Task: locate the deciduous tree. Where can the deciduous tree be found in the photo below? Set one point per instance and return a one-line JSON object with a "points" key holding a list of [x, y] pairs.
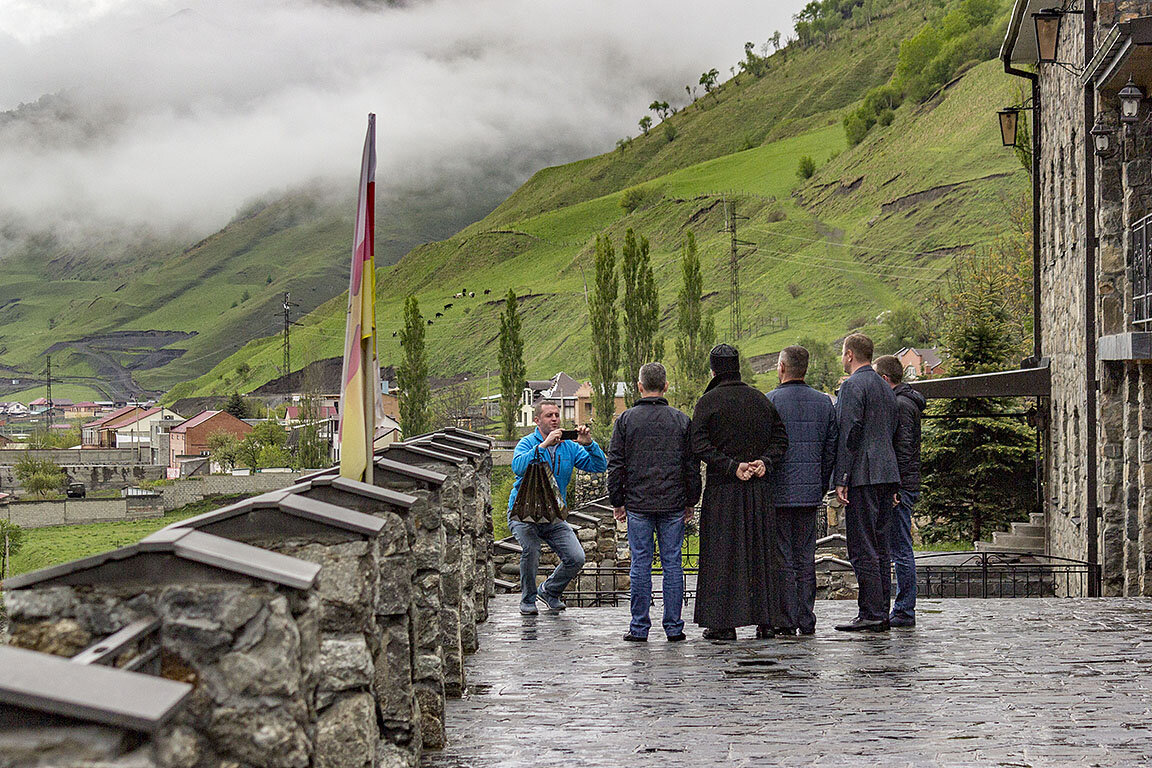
{"points": [[513, 373], [412, 375], [695, 331], [603, 318], [642, 342]]}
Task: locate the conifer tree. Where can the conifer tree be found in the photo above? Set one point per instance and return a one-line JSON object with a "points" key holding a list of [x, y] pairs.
{"points": [[602, 314], [695, 331], [513, 373], [642, 344], [978, 467], [236, 406], [412, 375]]}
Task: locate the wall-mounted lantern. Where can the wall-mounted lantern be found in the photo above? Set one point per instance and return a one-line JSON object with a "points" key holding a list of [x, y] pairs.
{"points": [[1130, 97], [1047, 23], [1102, 134], [1009, 118]]}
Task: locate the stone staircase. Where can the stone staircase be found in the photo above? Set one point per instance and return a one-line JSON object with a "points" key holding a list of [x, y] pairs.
{"points": [[508, 550], [1024, 537]]}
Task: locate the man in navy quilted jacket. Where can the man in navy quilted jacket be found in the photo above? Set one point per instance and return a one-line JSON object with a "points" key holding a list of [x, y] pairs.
{"points": [[799, 484]]}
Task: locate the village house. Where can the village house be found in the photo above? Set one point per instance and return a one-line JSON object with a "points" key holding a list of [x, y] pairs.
{"points": [[85, 410], [190, 438], [1088, 69], [91, 435], [918, 363]]}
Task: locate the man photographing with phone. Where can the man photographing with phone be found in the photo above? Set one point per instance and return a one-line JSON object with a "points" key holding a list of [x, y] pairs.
{"points": [[548, 444]]}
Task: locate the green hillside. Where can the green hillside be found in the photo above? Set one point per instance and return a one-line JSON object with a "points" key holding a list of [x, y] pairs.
{"points": [[874, 228]]}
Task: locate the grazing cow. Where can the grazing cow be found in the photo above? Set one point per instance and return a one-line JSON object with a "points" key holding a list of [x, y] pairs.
{"points": [[471, 294], [458, 296], [439, 314], [448, 306], [393, 334], [429, 322], [487, 291]]}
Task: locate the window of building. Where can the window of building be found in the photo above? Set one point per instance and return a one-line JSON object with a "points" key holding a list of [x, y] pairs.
{"points": [[1138, 273]]}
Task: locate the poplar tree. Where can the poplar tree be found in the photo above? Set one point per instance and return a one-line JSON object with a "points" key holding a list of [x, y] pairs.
{"points": [[642, 344], [412, 375], [602, 315], [513, 373], [695, 331]]}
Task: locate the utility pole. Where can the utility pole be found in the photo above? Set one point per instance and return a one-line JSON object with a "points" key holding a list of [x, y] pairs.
{"points": [[730, 219], [287, 334], [48, 389]]}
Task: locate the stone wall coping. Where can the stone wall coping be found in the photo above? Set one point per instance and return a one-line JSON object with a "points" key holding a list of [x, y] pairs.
{"points": [[444, 442], [52, 684], [424, 451], [475, 436], [437, 445], [292, 504], [1135, 345], [184, 544], [459, 441], [430, 476], [356, 487]]}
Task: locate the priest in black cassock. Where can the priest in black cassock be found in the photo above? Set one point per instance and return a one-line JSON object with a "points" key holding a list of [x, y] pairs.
{"points": [[740, 437]]}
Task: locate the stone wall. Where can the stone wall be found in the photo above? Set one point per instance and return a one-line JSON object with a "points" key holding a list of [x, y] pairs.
{"points": [[79, 457], [181, 492], [40, 514], [96, 477], [1062, 275], [349, 672]]}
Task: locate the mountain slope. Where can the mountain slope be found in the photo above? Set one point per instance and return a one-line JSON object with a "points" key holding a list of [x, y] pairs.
{"points": [[875, 228]]}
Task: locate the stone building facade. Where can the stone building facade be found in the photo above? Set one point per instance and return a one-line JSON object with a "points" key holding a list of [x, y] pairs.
{"points": [[1098, 484]]}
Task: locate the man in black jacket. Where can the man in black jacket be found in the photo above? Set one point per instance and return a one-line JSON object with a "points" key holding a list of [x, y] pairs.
{"points": [[906, 442], [866, 478], [654, 483]]}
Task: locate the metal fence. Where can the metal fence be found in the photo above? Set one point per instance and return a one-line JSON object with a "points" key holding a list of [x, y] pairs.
{"points": [[938, 575]]}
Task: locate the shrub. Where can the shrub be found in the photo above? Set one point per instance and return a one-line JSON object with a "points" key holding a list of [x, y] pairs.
{"points": [[670, 132], [885, 117], [795, 290], [806, 168]]}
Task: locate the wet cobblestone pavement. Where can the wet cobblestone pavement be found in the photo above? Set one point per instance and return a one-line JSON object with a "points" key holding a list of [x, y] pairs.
{"points": [[977, 682]]}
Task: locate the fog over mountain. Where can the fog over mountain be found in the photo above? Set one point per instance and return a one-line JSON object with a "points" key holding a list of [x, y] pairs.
{"points": [[170, 115]]}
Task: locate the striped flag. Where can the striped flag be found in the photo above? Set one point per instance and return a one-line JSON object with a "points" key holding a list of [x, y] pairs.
{"points": [[361, 404]]}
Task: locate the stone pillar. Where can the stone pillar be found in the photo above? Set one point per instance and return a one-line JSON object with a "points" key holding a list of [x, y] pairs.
{"points": [[426, 541], [247, 645], [393, 641], [460, 475]]}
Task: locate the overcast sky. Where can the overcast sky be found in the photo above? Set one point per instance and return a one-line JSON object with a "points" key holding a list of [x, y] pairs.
{"points": [[178, 112]]}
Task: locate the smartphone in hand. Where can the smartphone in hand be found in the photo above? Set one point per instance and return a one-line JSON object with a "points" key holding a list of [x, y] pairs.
{"points": [[569, 434]]}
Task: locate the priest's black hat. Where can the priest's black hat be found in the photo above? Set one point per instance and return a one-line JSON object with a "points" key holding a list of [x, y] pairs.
{"points": [[724, 359]]}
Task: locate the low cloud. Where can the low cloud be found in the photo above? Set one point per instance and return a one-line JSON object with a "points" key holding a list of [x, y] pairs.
{"points": [[170, 116]]}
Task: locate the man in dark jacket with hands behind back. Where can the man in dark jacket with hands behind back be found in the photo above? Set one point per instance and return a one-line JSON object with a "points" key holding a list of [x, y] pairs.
{"points": [[654, 482]]}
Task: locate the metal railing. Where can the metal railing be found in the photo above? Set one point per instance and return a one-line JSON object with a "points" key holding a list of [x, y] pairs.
{"points": [[1003, 574]]}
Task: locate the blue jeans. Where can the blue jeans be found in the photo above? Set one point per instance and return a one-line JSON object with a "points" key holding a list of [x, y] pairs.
{"points": [[560, 539], [900, 542], [667, 529]]}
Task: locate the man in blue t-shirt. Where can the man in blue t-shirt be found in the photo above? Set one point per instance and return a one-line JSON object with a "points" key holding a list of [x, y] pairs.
{"points": [[546, 444]]}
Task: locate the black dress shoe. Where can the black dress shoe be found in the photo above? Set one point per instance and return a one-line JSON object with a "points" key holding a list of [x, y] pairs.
{"points": [[713, 633], [676, 638], [863, 625], [902, 621], [804, 631], [635, 638], [765, 632]]}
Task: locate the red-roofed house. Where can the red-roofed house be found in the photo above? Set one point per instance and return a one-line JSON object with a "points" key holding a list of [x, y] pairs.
{"points": [[293, 412], [90, 435], [191, 437], [134, 430], [81, 411], [920, 362]]}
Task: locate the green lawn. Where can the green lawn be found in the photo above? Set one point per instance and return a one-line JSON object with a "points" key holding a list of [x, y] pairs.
{"points": [[44, 547]]}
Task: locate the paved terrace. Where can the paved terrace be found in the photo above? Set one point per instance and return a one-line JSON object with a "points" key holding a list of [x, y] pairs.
{"points": [[979, 682]]}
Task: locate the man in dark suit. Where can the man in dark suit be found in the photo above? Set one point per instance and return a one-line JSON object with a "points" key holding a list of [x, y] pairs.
{"points": [[866, 478], [799, 483]]}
